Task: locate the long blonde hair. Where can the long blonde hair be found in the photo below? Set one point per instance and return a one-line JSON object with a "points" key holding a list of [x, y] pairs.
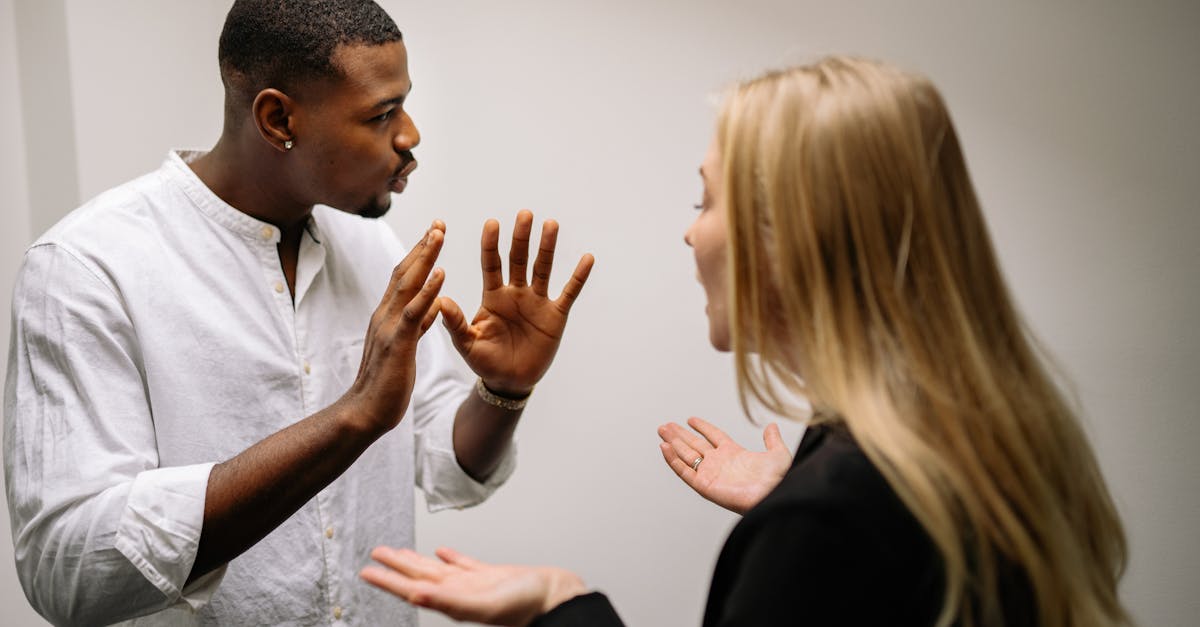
{"points": [[863, 278]]}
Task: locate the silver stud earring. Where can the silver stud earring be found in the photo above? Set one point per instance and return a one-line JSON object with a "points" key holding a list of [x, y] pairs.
{"points": [[287, 145]]}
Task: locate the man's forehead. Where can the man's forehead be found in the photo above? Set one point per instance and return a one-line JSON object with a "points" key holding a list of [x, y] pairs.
{"points": [[373, 73], [355, 57]]}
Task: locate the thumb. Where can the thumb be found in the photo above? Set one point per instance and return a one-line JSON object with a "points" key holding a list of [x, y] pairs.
{"points": [[456, 324], [772, 439]]}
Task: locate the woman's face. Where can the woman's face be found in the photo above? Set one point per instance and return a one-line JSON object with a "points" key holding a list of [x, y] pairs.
{"points": [[707, 237]]}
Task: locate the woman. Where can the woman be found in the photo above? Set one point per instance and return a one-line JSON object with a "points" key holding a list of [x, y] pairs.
{"points": [[942, 479]]}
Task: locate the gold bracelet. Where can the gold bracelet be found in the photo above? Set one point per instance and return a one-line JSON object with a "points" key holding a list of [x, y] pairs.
{"points": [[495, 400]]}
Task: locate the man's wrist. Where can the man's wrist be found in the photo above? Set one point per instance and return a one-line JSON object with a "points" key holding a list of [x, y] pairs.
{"points": [[503, 400]]}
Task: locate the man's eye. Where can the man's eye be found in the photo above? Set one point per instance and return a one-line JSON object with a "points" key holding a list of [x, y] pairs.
{"points": [[384, 117]]}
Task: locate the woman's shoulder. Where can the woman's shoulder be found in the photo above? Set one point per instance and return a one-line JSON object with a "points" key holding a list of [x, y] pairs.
{"points": [[830, 472], [831, 531]]}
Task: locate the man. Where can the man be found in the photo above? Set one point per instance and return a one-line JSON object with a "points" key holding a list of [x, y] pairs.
{"points": [[196, 429]]}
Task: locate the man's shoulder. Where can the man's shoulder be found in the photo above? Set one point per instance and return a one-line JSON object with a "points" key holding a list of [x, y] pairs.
{"points": [[118, 232], [118, 214]]}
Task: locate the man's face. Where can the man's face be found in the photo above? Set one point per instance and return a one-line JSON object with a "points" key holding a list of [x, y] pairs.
{"points": [[357, 138]]}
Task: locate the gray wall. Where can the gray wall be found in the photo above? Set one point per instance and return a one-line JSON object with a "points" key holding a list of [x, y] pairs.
{"points": [[1078, 123]]}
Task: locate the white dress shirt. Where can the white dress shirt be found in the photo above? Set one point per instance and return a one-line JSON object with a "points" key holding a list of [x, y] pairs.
{"points": [[154, 335]]}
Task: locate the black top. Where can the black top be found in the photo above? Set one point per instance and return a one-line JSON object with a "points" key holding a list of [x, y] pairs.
{"points": [[832, 544]]}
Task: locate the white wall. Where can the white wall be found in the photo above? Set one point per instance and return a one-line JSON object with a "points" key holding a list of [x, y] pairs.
{"points": [[1077, 122], [15, 233]]}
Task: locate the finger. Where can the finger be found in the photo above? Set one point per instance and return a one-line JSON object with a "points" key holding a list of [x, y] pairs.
{"points": [[411, 564], [431, 315], [391, 581], [456, 324], [710, 433], [518, 253], [408, 281], [687, 454], [423, 306], [545, 258], [681, 470], [400, 268], [450, 556], [418, 249], [489, 256], [574, 285], [672, 431], [772, 439]]}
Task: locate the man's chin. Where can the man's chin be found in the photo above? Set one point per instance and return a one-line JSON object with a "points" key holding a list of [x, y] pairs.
{"points": [[374, 212], [377, 209]]}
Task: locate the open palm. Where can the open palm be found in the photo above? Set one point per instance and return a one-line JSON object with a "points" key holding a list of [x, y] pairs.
{"points": [[466, 589], [730, 476], [512, 339]]}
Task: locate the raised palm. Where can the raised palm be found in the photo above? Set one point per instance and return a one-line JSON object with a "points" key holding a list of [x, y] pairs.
{"points": [[728, 474], [512, 339]]}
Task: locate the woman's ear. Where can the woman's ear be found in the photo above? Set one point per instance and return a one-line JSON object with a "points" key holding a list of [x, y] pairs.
{"points": [[272, 110]]}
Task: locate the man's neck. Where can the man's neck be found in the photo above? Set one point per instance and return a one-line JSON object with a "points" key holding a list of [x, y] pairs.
{"points": [[261, 196], [223, 170]]}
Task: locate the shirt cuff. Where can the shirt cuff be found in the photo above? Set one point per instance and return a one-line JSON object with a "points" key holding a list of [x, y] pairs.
{"points": [[586, 610], [447, 486], [160, 530]]}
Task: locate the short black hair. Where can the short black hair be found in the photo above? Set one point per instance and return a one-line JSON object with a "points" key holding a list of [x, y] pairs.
{"points": [[284, 43]]}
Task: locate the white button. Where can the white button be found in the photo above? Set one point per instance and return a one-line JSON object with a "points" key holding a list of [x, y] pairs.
{"points": [[329, 532], [279, 287], [337, 612], [307, 368], [268, 232]]}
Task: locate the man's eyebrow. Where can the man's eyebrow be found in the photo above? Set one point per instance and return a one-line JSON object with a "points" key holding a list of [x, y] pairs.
{"points": [[396, 100]]}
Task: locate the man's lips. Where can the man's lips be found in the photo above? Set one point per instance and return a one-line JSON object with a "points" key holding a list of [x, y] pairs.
{"points": [[400, 181]]}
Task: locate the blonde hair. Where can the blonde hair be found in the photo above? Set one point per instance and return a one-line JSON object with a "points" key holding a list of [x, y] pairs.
{"points": [[863, 278]]}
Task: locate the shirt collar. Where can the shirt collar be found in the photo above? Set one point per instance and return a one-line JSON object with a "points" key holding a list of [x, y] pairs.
{"points": [[177, 169]]}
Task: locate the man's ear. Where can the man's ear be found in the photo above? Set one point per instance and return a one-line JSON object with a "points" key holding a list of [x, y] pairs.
{"points": [[273, 110]]}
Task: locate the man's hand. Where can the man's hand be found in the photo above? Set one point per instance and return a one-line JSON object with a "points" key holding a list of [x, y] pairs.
{"points": [[728, 475], [469, 590], [513, 337], [383, 387]]}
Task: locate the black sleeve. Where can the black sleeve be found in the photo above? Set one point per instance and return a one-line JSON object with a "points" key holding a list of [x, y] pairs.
{"points": [[585, 610], [803, 568]]}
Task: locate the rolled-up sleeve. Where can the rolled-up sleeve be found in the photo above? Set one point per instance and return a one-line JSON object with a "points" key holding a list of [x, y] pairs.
{"points": [[101, 533], [439, 391]]}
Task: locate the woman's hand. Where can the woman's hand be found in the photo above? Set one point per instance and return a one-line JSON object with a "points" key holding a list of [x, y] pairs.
{"points": [[466, 589], [728, 475]]}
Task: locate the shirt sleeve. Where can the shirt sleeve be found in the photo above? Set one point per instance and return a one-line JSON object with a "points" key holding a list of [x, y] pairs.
{"points": [[586, 610], [100, 532], [438, 392], [808, 566], [440, 388]]}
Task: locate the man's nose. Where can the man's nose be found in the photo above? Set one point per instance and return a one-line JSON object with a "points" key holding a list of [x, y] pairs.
{"points": [[409, 136]]}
